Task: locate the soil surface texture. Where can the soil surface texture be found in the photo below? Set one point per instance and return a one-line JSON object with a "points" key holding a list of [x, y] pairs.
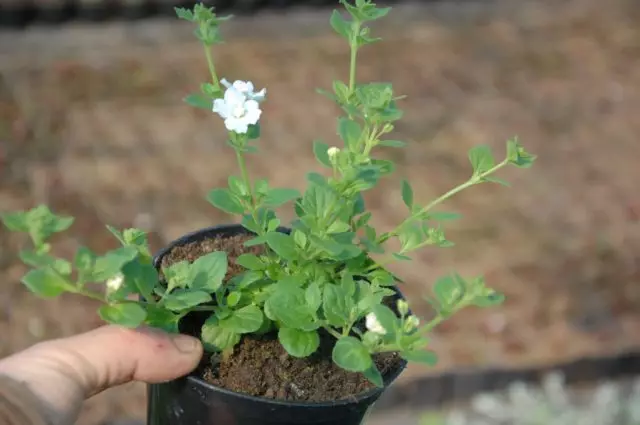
{"points": [[259, 365]]}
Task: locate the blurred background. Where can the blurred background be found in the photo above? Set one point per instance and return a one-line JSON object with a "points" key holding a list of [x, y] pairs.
{"points": [[92, 122]]}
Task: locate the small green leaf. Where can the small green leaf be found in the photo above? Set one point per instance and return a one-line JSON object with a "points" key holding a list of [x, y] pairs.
{"points": [[407, 194], [250, 262], [199, 101], [162, 319], [258, 240], [320, 150], [216, 338], [313, 296], [130, 315], [225, 201], [374, 376], [183, 13], [392, 143], [337, 305], [277, 197], [110, 264], [115, 232], [297, 342], [449, 292], [350, 132], [316, 179], [283, 245], [16, 221], [245, 320], [45, 283], [208, 271], [43, 260], [351, 354], [481, 159], [420, 356], [234, 298], [340, 25], [253, 133], [183, 299], [136, 237], [141, 276], [289, 307], [518, 156], [177, 274]]}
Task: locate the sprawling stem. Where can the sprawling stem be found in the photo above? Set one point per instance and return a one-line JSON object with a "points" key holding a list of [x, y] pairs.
{"points": [[212, 67], [472, 181], [352, 67], [245, 177]]}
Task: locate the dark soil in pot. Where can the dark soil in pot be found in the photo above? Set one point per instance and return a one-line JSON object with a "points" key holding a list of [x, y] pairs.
{"points": [[259, 365]]}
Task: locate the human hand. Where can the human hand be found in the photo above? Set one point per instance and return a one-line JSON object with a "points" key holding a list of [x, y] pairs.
{"points": [[63, 373]]}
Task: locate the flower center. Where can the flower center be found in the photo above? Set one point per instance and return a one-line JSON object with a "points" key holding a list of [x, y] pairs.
{"points": [[238, 111]]}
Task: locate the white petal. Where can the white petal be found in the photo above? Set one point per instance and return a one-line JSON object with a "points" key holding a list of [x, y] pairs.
{"points": [[225, 83], [253, 116], [221, 108], [260, 95], [241, 86], [236, 124], [233, 97], [242, 127], [251, 105]]}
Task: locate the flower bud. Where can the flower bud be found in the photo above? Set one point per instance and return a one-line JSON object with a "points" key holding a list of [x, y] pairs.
{"points": [[114, 283], [403, 307], [411, 324], [374, 325], [333, 153]]}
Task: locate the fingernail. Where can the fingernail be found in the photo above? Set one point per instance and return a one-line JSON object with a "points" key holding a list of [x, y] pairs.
{"points": [[184, 343]]}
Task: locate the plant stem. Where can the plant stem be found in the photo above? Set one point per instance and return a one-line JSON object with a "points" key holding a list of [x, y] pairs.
{"points": [[333, 332], [89, 294], [245, 177], [354, 57], [472, 181], [212, 68]]}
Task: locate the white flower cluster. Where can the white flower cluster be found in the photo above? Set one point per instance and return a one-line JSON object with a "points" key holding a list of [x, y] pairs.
{"points": [[240, 106]]}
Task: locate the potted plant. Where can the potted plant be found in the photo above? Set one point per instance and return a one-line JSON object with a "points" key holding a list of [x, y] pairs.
{"points": [[302, 324]]}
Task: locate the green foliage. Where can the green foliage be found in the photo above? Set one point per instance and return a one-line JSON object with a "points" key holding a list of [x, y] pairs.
{"points": [[321, 278], [130, 315], [351, 354], [297, 342]]}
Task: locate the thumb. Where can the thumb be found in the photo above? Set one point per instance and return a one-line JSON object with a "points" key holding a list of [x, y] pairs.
{"points": [[63, 372]]}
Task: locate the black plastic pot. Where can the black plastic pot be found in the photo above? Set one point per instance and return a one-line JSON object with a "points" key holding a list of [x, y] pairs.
{"points": [[192, 401]]}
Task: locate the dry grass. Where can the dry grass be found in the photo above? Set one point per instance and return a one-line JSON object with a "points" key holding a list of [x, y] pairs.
{"points": [[90, 120]]}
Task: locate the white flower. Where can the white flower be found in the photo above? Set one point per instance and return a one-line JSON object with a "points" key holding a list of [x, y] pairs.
{"points": [[239, 108], [115, 283], [333, 152], [246, 88], [374, 326]]}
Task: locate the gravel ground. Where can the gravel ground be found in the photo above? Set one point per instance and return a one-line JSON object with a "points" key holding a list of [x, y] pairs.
{"points": [[552, 403]]}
